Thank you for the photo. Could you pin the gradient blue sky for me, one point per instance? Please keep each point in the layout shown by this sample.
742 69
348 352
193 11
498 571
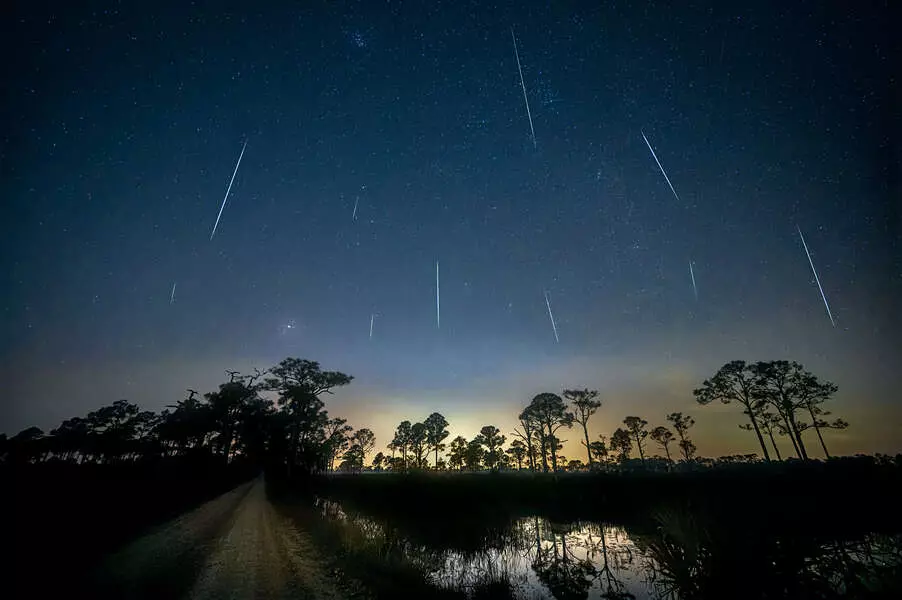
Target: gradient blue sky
125 127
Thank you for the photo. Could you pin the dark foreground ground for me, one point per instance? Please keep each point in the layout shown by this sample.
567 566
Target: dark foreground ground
227 535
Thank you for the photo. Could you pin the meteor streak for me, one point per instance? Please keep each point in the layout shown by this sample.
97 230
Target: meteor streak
372 318
551 316
692 275
659 165
438 312
354 216
816 278
235 172
523 85
172 294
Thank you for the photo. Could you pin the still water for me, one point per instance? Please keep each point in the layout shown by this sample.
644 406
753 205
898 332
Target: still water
533 557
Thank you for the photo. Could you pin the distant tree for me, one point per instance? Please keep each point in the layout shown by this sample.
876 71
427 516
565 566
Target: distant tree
70 441
337 438
436 432
457 454
474 455
584 406
636 428
517 452
418 444
364 438
621 443
490 437
354 457
740 382
551 414
401 440
530 430
26 446
575 465
379 460
599 449
663 437
681 425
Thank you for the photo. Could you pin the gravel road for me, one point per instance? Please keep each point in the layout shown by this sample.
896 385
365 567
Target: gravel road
235 546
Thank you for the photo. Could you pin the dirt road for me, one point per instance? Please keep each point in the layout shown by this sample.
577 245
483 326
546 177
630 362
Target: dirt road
235 546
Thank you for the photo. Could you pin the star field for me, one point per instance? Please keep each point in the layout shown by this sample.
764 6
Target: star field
383 137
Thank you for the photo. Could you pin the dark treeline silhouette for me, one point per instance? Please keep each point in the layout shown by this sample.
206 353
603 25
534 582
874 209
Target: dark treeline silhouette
277 419
780 399
236 423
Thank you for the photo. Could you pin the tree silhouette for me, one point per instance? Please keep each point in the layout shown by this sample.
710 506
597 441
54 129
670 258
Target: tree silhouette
812 394
474 455
299 383
584 406
436 432
635 426
457 453
337 438
663 437
490 437
681 425
530 430
379 460
517 452
599 449
362 442
777 386
551 414
736 381
769 423
418 444
401 440
621 443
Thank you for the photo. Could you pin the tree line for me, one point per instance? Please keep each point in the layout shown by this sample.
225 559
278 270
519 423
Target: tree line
278 418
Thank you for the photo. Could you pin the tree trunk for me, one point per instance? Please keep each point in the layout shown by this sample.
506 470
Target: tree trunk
818 431
436 457
667 451
773 442
754 421
791 435
588 450
543 447
798 434
639 447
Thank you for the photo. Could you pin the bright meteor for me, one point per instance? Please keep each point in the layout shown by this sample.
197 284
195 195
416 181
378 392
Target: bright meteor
235 172
523 85
660 166
816 278
551 316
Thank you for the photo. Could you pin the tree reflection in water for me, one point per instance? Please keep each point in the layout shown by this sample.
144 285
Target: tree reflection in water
683 557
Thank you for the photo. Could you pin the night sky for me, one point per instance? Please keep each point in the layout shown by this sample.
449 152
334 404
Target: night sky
122 128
